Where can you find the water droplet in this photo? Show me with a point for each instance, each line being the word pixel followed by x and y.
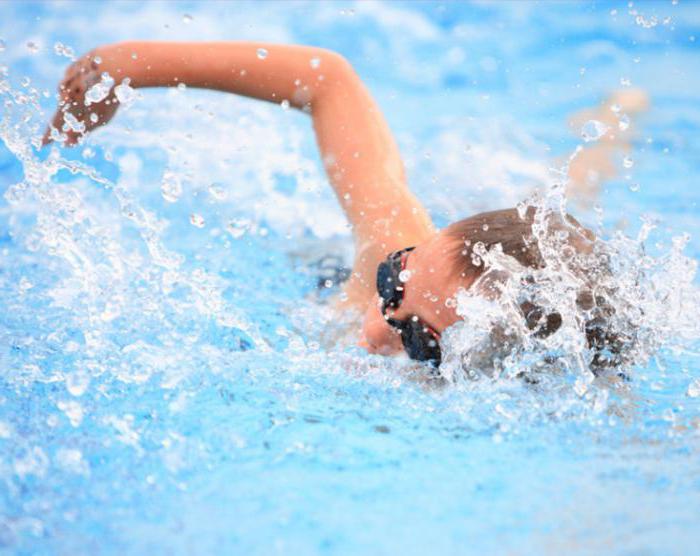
pixel 99 91
pixel 72 123
pixel 73 410
pixel 285 104
pixel 522 210
pixel 25 285
pixel 34 462
pixel 315 63
pixel 171 188
pixel 62 50
pixel 197 220
pixel 125 93
pixel 237 227
pixel 217 191
pixel 77 382
pixel 624 122
pixel 72 461
pixel 627 162
pixel 593 130
pixel 694 389
pixel 187 19
pixel 32 47
pixel 262 53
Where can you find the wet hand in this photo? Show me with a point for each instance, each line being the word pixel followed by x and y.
pixel 87 100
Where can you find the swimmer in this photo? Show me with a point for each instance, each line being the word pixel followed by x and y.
pixel 405 271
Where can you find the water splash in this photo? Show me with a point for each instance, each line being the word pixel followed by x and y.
pixel 100 90
pixel 613 305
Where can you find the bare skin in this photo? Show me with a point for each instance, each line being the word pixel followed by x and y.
pixel 360 155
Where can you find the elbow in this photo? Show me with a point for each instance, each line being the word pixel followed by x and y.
pixel 334 74
pixel 334 62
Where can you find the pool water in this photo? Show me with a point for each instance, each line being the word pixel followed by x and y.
pixel 172 381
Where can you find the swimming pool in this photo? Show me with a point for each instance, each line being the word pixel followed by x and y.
pixel 171 380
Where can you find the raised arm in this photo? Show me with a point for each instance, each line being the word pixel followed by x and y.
pixel 358 150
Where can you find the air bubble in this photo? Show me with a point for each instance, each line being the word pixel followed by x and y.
pixel 285 104
pixel 3 46
pixel 32 47
pixel 315 63
pixel 634 187
pixel 405 275
pixel 181 87
pixel 262 53
pixel 187 19
pixel 627 162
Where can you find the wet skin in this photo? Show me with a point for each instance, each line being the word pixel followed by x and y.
pixel 431 284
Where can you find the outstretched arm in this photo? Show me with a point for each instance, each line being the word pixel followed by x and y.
pixel 358 150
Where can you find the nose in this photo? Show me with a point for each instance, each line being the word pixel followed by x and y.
pixel 377 335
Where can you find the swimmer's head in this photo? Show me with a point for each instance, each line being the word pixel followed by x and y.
pixel 437 268
pixel 428 281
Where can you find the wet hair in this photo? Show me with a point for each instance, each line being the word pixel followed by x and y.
pixel 511 229
pixel 512 232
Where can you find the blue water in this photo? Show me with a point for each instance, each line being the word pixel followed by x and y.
pixel 171 389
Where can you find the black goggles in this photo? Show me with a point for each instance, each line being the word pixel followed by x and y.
pixel 419 340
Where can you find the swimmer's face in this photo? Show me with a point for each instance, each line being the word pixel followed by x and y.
pixel 431 283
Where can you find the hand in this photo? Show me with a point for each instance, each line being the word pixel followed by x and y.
pixel 76 114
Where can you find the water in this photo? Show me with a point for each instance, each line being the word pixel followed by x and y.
pixel 172 380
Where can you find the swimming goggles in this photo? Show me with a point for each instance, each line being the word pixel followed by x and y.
pixel 419 340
